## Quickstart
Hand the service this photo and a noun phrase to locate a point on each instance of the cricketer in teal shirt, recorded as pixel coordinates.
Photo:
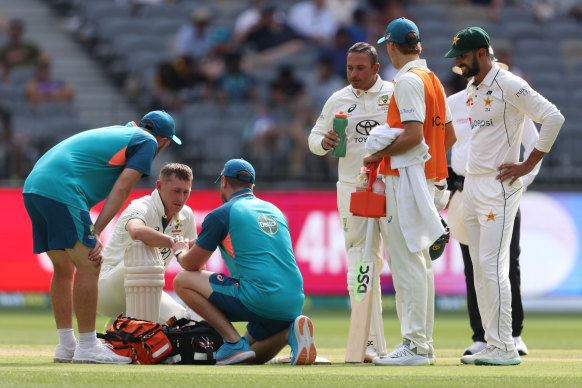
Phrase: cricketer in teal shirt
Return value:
(81, 170)
(253, 237)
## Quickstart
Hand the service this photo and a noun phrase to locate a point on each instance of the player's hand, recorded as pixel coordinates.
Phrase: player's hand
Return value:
(371, 158)
(512, 171)
(179, 243)
(96, 253)
(330, 140)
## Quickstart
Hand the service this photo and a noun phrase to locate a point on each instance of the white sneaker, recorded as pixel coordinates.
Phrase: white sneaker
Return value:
(431, 358)
(403, 356)
(475, 348)
(371, 353)
(496, 356)
(63, 354)
(98, 354)
(470, 358)
(520, 346)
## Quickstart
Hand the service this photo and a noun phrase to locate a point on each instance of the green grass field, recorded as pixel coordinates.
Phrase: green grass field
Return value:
(28, 339)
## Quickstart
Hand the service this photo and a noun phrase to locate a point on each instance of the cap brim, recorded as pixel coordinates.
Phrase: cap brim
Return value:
(176, 140)
(218, 179)
(381, 40)
(454, 52)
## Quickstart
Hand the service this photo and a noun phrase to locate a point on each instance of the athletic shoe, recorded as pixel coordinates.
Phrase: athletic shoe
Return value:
(98, 354)
(300, 339)
(371, 353)
(403, 356)
(229, 354)
(475, 348)
(470, 358)
(63, 354)
(431, 358)
(498, 356)
(520, 346)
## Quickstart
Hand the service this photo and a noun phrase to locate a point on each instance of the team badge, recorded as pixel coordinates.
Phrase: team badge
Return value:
(491, 216)
(268, 224)
(383, 100)
(488, 101)
(455, 40)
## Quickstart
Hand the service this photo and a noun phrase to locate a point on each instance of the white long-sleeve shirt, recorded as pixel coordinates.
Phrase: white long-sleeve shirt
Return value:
(150, 210)
(460, 150)
(365, 110)
(497, 109)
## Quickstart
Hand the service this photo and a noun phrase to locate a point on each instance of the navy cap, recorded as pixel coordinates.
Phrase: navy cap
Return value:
(163, 124)
(233, 167)
(398, 29)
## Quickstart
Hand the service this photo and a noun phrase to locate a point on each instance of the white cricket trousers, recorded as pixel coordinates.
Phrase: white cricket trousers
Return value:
(355, 239)
(111, 301)
(412, 275)
(489, 211)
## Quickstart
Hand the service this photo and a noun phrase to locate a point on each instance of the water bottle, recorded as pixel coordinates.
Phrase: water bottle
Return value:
(340, 122)
(379, 187)
(362, 182)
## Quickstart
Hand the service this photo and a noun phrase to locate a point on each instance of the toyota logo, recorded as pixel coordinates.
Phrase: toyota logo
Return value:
(365, 126)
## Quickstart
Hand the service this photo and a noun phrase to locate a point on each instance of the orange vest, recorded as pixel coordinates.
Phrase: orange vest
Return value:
(433, 127)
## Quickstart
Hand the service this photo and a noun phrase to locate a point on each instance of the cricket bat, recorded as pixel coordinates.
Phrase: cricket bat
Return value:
(362, 302)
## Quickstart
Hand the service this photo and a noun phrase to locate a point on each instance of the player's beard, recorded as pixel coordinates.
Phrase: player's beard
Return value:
(474, 69)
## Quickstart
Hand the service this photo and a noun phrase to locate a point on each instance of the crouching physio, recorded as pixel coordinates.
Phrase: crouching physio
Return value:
(265, 287)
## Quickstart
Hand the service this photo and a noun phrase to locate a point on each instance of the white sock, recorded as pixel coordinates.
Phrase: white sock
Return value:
(87, 340)
(67, 338)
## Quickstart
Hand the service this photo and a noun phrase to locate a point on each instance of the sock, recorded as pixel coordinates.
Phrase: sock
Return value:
(67, 338)
(87, 340)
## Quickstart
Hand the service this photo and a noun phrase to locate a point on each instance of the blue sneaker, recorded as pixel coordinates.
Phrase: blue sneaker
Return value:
(229, 354)
(300, 339)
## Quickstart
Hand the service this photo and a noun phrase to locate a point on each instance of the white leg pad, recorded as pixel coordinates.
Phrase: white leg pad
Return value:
(144, 281)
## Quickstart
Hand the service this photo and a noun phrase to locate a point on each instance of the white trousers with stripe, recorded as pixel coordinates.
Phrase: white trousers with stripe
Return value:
(489, 211)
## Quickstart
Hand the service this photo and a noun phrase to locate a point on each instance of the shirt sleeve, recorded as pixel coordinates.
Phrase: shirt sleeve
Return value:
(409, 96)
(323, 124)
(140, 152)
(535, 106)
(529, 140)
(212, 233)
(135, 210)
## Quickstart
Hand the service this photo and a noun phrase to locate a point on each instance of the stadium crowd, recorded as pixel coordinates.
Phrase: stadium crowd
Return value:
(248, 79)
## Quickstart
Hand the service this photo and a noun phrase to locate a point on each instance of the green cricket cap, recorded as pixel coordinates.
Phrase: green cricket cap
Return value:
(469, 39)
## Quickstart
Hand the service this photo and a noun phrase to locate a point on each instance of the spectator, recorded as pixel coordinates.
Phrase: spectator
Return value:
(338, 50)
(324, 82)
(194, 40)
(493, 7)
(286, 89)
(342, 10)
(358, 28)
(247, 19)
(272, 38)
(43, 88)
(17, 52)
(177, 83)
(312, 19)
(235, 85)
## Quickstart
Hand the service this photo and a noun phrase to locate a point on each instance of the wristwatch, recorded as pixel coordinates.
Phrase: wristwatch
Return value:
(178, 252)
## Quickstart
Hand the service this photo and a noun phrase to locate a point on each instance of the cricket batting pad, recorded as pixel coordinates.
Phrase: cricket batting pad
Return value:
(144, 281)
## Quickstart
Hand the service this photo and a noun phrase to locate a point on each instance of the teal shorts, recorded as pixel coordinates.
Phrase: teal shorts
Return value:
(56, 226)
(225, 297)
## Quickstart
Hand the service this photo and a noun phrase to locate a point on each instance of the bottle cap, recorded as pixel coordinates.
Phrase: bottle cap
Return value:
(341, 114)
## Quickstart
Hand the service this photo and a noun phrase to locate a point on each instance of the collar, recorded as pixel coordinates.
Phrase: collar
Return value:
(159, 206)
(417, 63)
(488, 80)
(240, 193)
(378, 85)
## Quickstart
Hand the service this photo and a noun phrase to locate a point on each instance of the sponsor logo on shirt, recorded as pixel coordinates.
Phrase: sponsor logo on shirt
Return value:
(352, 108)
(523, 92)
(469, 102)
(481, 123)
(365, 126)
(268, 224)
(405, 111)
